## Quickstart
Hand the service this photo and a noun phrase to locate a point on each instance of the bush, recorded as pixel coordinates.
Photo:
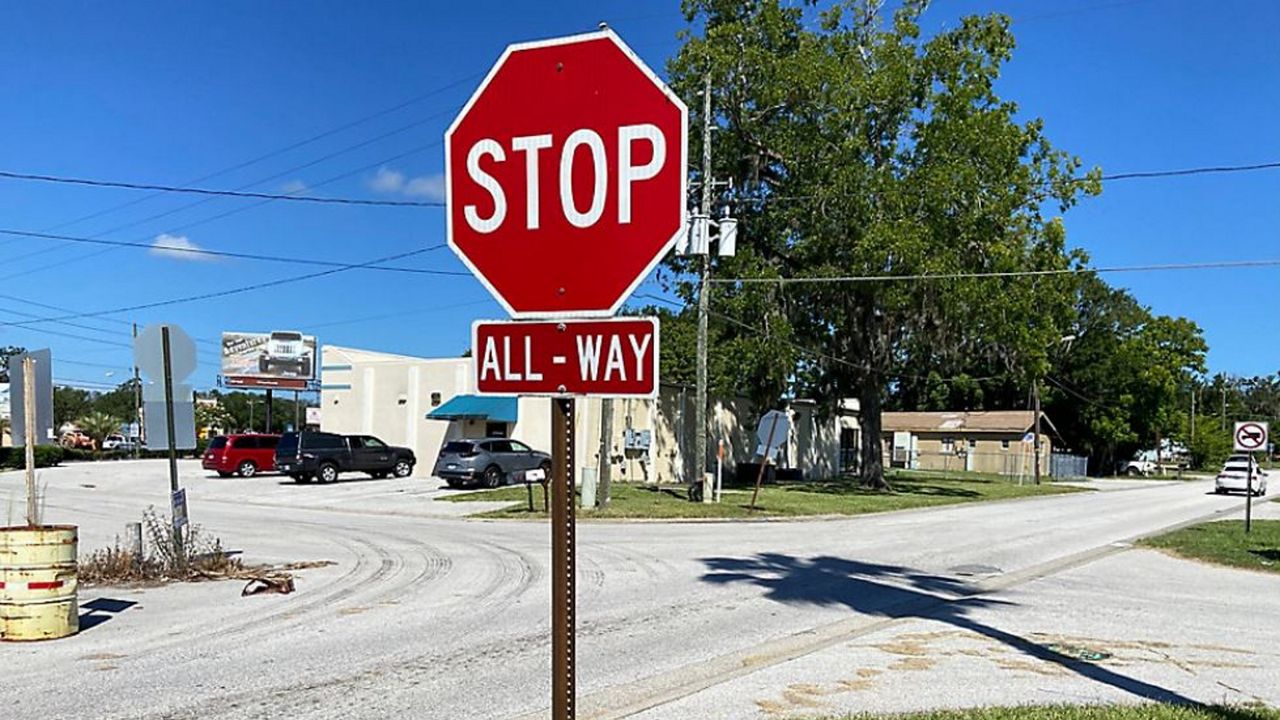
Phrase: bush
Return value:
(15, 458)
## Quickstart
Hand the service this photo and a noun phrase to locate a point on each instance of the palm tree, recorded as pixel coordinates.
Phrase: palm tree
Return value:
(98, 425)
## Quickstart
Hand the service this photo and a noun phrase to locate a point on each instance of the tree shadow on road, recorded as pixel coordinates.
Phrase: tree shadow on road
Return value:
(890, 591)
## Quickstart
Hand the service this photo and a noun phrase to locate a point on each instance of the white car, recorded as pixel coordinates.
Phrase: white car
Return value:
(1235, 476)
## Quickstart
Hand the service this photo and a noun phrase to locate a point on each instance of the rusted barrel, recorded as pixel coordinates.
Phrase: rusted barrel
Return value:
(38, 583)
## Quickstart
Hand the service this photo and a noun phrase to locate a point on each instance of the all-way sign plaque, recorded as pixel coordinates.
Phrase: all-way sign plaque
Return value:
(584, 358)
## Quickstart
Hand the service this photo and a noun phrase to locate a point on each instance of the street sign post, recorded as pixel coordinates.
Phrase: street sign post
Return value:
(166, 353)
(1249, 437)
(565, 176)
(772, 433)
(565, 185)
(587, 358)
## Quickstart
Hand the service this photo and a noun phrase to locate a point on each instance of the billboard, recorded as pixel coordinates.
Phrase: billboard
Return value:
(280, 358)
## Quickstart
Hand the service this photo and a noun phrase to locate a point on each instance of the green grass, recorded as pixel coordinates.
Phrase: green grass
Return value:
(1087, 712)
(1224, 542)
(789, 500)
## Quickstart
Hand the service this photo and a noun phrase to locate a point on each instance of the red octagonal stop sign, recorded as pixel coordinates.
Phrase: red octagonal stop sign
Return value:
(565, 176)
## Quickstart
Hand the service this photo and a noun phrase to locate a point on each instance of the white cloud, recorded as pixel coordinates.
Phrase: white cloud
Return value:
(387, 181)
(294, 187)
(428, 187)
(177, 247)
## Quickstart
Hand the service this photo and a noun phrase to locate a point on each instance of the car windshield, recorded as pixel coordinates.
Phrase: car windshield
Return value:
(286, 336)
(461, 448)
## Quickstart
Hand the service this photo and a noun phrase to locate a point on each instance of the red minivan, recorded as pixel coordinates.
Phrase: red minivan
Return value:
(243, 455)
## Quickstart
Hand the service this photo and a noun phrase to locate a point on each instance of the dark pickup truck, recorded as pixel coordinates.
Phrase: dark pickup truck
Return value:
(306, 456)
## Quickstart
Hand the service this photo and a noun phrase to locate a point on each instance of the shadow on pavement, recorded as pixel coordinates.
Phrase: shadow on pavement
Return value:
(101, 610)
(898, 592)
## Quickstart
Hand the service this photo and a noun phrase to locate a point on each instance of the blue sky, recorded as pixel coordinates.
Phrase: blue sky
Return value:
(170, 93)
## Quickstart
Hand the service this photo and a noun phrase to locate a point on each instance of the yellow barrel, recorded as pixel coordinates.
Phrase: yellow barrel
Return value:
(38, 583)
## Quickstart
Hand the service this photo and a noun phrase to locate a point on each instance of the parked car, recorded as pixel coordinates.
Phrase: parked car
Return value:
(287, 350)
(243, 455)
(305, 456)
(1235, 476)
(118, 443)
(489, 462)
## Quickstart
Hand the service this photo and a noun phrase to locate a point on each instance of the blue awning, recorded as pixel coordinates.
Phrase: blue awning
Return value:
(477, 407)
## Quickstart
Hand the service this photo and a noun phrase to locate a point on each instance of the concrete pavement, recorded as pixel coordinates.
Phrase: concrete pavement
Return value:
(441, 617)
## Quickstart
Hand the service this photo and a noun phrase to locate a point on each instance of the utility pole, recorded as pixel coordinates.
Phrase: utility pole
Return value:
(270, 402)
(1224, 407)
(606, 452)
(704, 308)
(1194, 390)
(1035, 443)
(137, 402)
(29, 436)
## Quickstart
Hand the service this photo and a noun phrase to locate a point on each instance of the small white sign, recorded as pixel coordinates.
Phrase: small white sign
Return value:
(1250, 436)
(313, 416)
(534, 475)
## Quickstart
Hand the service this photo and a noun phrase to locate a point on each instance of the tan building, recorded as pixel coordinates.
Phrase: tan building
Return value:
(996, 441)
(422, 403)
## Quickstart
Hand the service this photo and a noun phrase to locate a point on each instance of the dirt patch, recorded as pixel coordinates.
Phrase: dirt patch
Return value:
(913, 663)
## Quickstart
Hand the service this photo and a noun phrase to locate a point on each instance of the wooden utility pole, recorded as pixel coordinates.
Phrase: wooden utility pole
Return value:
(29, 436)
(1035, 441)
(704, 308)
(606, 452)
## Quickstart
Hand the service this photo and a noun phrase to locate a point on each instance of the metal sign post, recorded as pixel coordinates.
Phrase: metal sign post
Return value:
(1249, 437)
(563, 626)
(173, 450)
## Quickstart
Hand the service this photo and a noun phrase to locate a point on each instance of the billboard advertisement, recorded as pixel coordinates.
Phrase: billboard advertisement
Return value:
(280, 358)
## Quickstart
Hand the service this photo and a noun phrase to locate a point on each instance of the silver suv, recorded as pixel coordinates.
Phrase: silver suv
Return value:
(488, 462)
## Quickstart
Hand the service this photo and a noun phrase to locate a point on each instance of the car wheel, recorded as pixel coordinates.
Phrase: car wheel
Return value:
(545, 467)
(224, 474)
(492, 476)
(328, 473)
(403, 468)
(1133, 472)
(247, 469)
(302, 478)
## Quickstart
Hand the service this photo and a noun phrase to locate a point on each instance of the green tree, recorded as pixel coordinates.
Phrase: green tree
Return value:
(69, 404)
(209, 417)
(98, 425)
(860, 148)
(120, 402)
(6, 352)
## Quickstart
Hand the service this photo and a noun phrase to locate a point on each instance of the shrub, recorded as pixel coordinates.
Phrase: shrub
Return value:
(15, 458)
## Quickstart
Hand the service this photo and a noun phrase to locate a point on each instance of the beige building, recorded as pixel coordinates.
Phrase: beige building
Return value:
(997, 441)
(423, 403)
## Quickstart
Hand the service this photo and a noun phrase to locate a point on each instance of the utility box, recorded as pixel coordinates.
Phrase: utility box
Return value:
(637, 439)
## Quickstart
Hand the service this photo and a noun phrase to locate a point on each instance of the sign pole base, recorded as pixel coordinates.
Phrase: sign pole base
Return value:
(563, 627)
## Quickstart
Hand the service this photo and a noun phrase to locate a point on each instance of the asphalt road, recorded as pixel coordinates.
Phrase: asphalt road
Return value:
(428, 615)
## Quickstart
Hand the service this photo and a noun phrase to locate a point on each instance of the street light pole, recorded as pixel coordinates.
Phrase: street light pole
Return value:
(1035, 389)
(704, 308)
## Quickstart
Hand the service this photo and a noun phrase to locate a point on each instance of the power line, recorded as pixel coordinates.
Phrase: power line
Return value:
(1224, 264)
(218, 193)
(234, 211)
(402, 313)
(288, 148)
(815, 353)
(202, 252)
(225, 293)
(1140, 175)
